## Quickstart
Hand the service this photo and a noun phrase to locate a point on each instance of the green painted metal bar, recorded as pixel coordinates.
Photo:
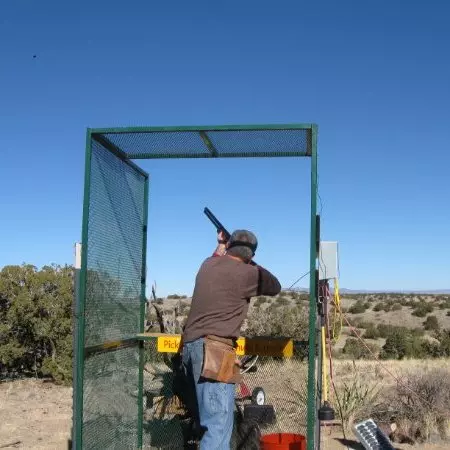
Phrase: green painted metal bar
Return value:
(221, 155)
(209, 144)
(78, 442)
(311, 419)
(142, 317)
(118, 152)
(119, 130)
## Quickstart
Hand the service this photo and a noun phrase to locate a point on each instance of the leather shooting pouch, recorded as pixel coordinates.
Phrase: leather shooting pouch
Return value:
(219, 361)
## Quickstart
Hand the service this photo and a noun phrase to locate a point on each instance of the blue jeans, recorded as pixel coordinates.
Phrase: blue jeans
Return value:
(215, 400)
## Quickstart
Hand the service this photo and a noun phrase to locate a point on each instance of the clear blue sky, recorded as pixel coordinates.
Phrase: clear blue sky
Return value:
(373, 75)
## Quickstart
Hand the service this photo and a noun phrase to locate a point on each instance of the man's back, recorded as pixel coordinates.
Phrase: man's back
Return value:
(221, 296)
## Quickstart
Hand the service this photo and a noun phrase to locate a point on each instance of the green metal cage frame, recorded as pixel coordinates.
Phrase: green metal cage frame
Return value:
(101, 135)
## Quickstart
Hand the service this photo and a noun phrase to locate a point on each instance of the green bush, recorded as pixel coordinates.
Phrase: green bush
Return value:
(379, 307)
(431, 323)
(282, 301)
(355, 349)
(176, 296)
(403, 301)
(278, 322)
(421, 309)
(260, 301)
(36, 321)
(358, 308)
(371, 332)
(402, 344)
(386, 330)
(444, 342)
(359, 323)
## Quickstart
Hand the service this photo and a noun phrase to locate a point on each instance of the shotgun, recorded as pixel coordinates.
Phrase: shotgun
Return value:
(220, 227)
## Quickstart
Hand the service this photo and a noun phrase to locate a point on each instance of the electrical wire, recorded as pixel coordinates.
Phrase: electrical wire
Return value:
(295, 282)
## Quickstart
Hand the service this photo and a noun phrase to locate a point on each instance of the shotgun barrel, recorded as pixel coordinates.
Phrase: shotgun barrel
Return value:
(216, 223)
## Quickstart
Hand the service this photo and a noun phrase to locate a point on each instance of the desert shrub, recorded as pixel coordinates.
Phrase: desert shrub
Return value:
(448, 313)
(355, 349)
(176, 296)
(379, 307)
(444, 340)
(402, 344)
(36, 320)
(439, 348)
(360, 323)
(285, 322)
(421, 309)
(260, 301)
(371, 332)
(396, 307)
(422, 404)
(282, 301)
(403, 301)
(431, 323)
(358, 308)
(303, 297)
(385, 330)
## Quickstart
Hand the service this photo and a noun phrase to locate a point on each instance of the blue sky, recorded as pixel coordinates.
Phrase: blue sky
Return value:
(372, 75)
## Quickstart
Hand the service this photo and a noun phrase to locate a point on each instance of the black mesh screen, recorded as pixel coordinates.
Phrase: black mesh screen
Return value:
(220, 143)
(112, 302)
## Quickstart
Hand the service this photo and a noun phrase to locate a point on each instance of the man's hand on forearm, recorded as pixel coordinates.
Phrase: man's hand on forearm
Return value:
(221, 248)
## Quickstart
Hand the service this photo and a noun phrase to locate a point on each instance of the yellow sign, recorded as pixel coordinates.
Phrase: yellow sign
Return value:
(168, 344)
(245, 346)
(265, 347)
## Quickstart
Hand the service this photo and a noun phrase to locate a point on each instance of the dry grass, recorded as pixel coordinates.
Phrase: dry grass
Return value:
(39, 414)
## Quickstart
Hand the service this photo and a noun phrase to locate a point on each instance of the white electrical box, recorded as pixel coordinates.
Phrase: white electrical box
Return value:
(328, 260)
(77, 255)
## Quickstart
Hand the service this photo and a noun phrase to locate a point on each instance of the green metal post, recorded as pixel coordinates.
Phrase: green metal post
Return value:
(142, 318)
(78, 413)
(311, 421)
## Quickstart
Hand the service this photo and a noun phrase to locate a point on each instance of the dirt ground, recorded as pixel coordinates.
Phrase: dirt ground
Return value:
(37, 415)
(34, 415)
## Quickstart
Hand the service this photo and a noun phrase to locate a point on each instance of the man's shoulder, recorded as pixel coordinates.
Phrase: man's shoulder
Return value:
(231, 263)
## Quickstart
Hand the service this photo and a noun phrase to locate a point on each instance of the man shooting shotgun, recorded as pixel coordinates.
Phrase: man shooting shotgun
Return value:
(226, 234)
(224, 285)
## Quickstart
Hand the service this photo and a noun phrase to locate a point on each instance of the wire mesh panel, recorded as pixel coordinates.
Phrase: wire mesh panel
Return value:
(113, 311)
(110, 419)
(282, 381)
(213, 142)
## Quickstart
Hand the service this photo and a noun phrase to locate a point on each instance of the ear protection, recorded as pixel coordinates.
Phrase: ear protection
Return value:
(243, 244)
